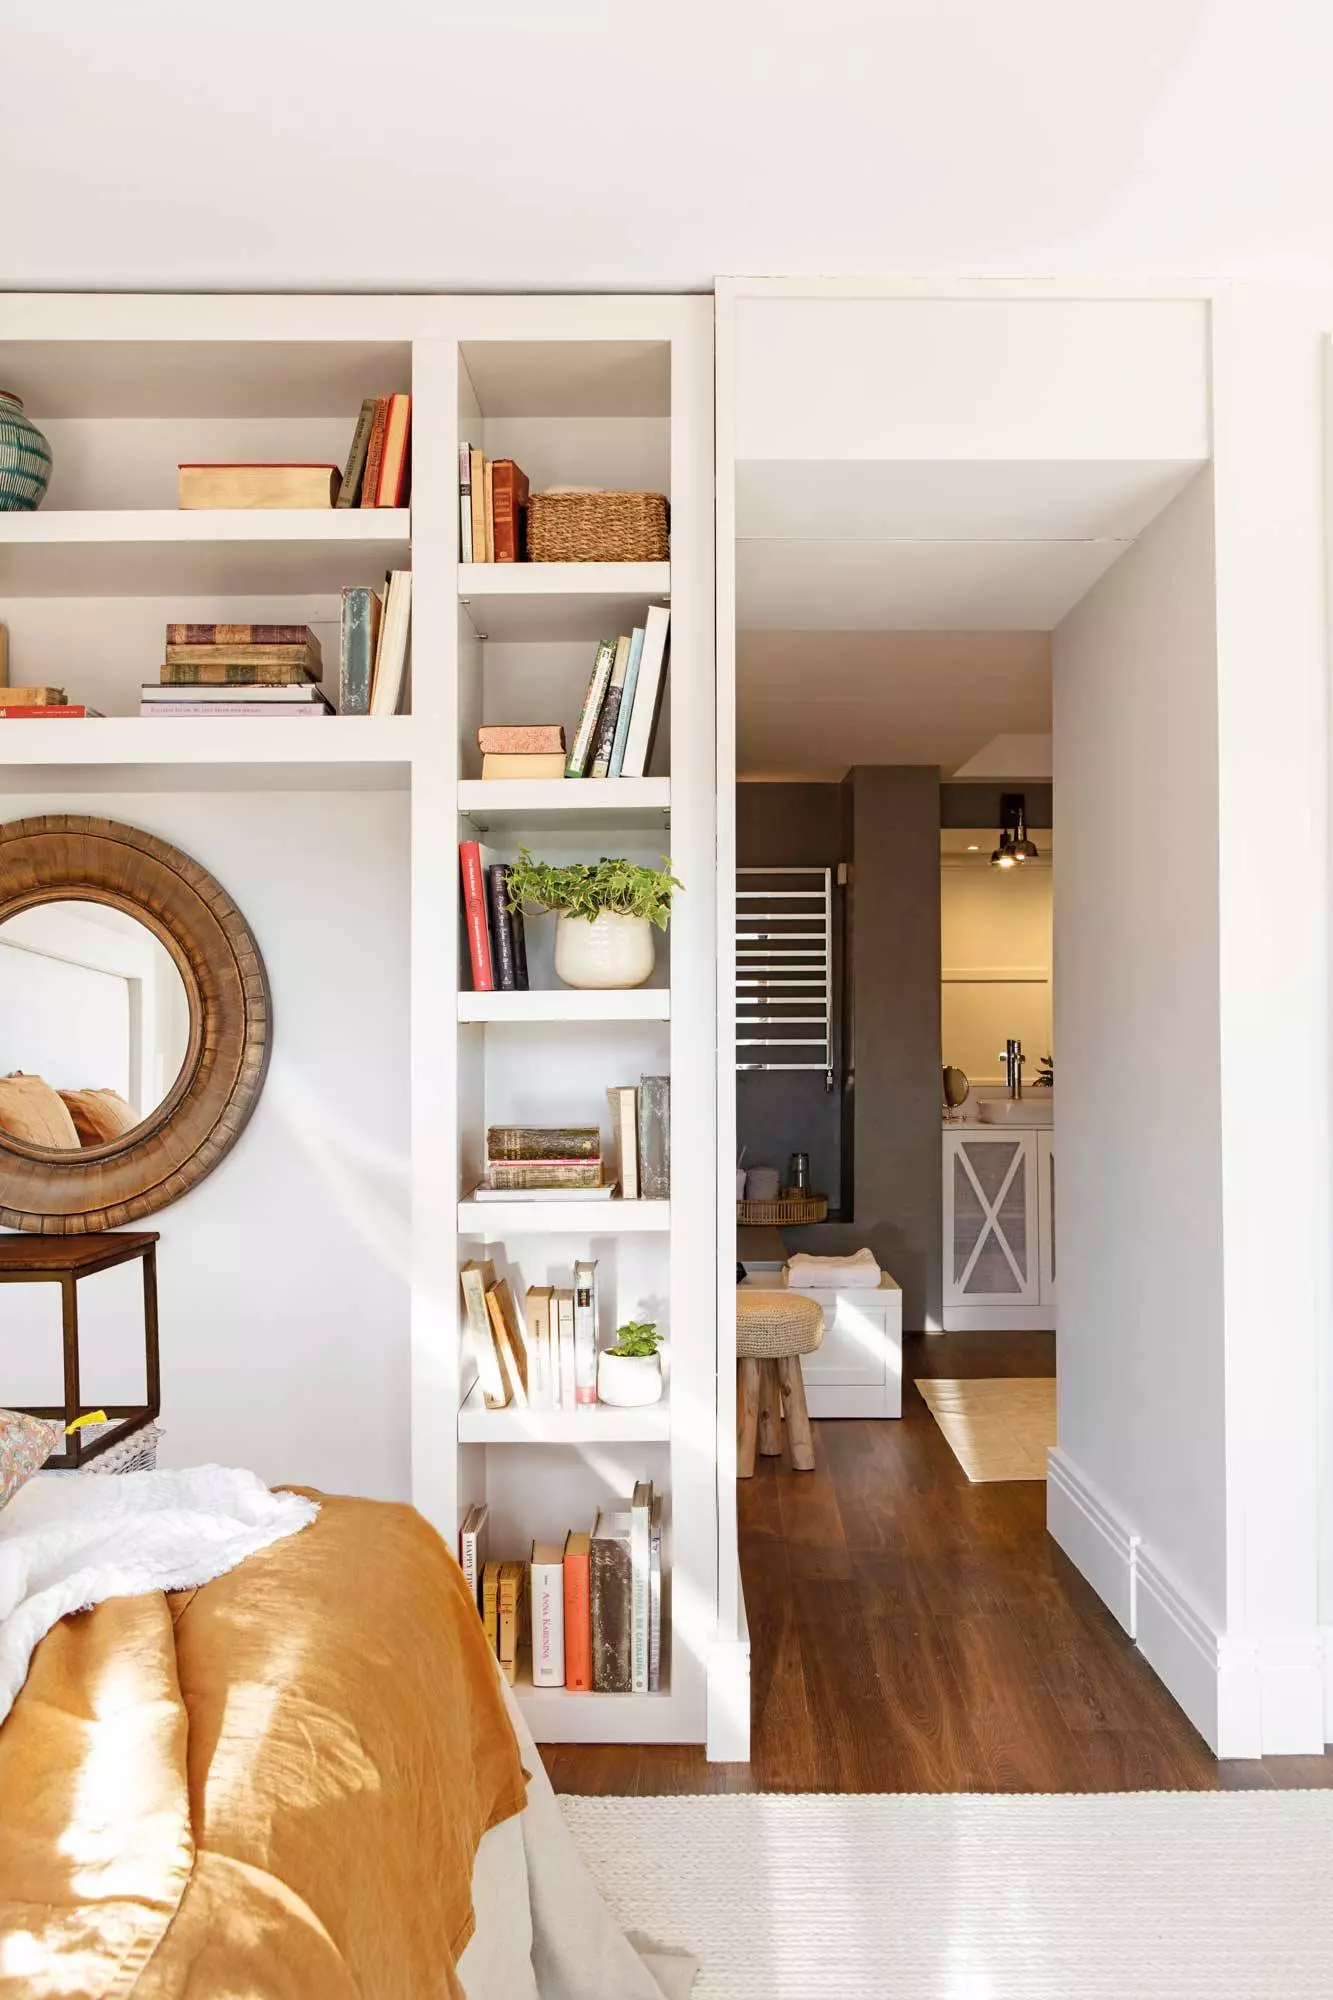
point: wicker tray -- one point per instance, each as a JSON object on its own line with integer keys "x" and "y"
{"x": 597, "y": 527}
{"x": 792, "y": 1209}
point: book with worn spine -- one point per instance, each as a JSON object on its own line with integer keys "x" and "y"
{"x": 592, "y": 709}
{"x": 521, "y": 739}
{"x": 509, "y": 510}
{"x": 240, "y": 635}
{"x": 231, "y": 672}
{"x": 655, "y": 1138}
{"x": 349, "y": 493}
{"x": 517, "y": 1175}
{"x": 32, "y": 697}
{"x": 547, "y": 1572}
{"x": 543, "y": 1142}
{"x": 370, "y": 477}
{"x": 609, "y": 1599}
{"x": 477, "y": 1279}
{"x": 641, "y": 1509}
{"x": 357, "y": 651}
{"x": 600, "y": 765}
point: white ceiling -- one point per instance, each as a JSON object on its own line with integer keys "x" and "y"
{"x": 426, "y": 144}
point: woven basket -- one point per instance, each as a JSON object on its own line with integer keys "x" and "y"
{"x": 792, "y": 1210}
{"x": 598, "y": 527}
{"x": 135, "y": 1453}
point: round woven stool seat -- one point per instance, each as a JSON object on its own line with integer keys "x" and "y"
{"x": 770, "y": 1325}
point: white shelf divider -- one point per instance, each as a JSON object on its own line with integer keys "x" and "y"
{"x": 597, "y": 1423}
{"x": 644, "y": 1003}
{"x": 551, "y": 805}
{"x": 548, "y": 601}
{"x": 242, "y": 753}
{"x": 494, "y": 1219}
{"x": 154, "y": 551}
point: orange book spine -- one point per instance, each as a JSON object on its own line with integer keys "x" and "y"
{"x": 578, "y": 1615}
{"x": 394, "y": 457}
{"x": 370, "y": 478}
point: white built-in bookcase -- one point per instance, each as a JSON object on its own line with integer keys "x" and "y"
{"x": 615, "y": 392}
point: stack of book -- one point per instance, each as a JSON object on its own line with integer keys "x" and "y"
{"x": 492, "y": 508}
{"x": 497, "y": 947}
{"x": 641, "y": 1127}
{"x": 377, "y": 472}
{"x": 373, "y": 652}
{"x": 254, "y": 670}
{"x": 592, "y": 1603}
{"x": 618, "y": 723}
{"x": 547, "y": 1361}
{"x": 533, "y": 1162}
{"x": 23, "y": 703}
{"x": 522, "y": 750}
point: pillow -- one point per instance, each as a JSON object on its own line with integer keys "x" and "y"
{"x": 25, "y": 1445}
{"x": 32, "y": 1112}
{"x": 98, "y": 1115}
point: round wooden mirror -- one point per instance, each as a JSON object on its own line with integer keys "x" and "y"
{"x": 134, "y": 1024}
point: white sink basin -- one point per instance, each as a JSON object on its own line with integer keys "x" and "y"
{"x": 1038, "y": 1109}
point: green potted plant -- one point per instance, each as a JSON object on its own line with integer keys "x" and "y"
{"x": 629, "y": 1375}
{"x": 605, "y": 912}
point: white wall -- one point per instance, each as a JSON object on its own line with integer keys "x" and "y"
{"x": 995, "y": 955}
{"x": 1141, "y": 1379}
{"x": 283, "y": 1275}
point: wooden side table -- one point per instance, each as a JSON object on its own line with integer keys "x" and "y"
{"x": 63, "y": 1260}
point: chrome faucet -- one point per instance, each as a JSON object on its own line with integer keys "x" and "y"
{"x": 1011, "y": 1055}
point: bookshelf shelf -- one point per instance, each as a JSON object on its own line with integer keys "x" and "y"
{"x": 566, "y": 1004}
{"x": 552, "y": 601}
{"x": 599, "y": 1424}
{"x": 557, "y": 805}
{"x": 562, "y": 1715}
{"x": 158, "y": 551}
{"x": 496, "y": 1219}
{"x": 167, "y": 753}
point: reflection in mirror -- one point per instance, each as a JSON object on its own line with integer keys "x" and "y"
{"x": 94, "y": 1024}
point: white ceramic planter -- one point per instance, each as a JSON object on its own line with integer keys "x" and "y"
{"x": 629, "y": 1381}
{"x": 611, "y": 951}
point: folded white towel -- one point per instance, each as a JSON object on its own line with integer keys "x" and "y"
{"x": 834, "y": 1273}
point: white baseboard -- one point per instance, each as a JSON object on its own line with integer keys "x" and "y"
{"x": 728, "y": 1739}
{"x": 1096, "y": 1542}
{"x": 1269, "y": 1695}
{"x": 998, "y": 1319}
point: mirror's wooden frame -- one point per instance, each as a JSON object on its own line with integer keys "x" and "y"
{"x": 68, "y": 858}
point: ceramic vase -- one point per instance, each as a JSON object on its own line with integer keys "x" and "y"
{"x": 629, "y": 1381}
{"x": 611, "y": 951}
{"x": 25, "y": 459}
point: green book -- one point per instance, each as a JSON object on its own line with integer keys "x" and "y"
{"x": 581, "y": 753}
{"x": 358, "y": 652}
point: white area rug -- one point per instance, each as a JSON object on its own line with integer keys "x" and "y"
{"x": 1136, "y": 1896}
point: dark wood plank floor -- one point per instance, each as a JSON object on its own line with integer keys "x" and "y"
{"x": 912, "y": 1632}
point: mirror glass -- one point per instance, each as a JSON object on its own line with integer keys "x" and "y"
{"x": 94, "y": 1024}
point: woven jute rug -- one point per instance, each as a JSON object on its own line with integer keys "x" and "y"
{"x": 997, "y": 1428}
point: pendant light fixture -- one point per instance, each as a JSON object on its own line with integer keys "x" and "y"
{"x": 1014, "y": 846}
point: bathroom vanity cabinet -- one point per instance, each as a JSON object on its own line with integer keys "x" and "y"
{"x": 999, "y": 1228}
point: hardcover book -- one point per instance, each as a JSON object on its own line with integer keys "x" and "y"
{"x": 284, "y": 694}
{"x": 647, "y": 694}
{"x": 386, "y": 687}
{"x": 504, "y": 965}
{"x": 221, "y": 653}
{"x": 349, "y": 493}
{"x": 266, "y": 711}
{"x": 624, "y": 1100}
{"x": 617, "y": 769}
{"x": 639, "y": 1555}
{"x": 478, "y": 504}
{"x": 564, "y": 1332}
{"x": 592, "y": 709}
{"x": 513, "y": 1576}
{"x": 473, "y": 860}
{"x": 472, "y": 1540}
{"x": 517, "y": 1175}
{"x": 655, "y": 1138}
{"x": 241, "y": 635}
{"x": 521, "y": 739}
{"x": 578, "y": 1613}
{"x": 465, "y": 502}
{"x": 392, "y": 486}
{"x": 537, "y": 1335}
{"x": 370, "y": 477}
{"x": 609, "y": 1596}
{"x": 600, "y": 765}
{"x": 477, "y": 1279}
{"x": 585, "y": 1333}
{"x": 509, "y": 510}
{"x": 357, "y": 650}
{"x": 32, "y": 697}
{"x": 259, "y": 485}
{"x": 543, "y": 1142}
{"x": 509, "y": 1341}
{"x": 526, "y": 764}
{"x": 239, "y": 673}
{"x": 548, "y": 1614}
{"x": 490, "y": 1604}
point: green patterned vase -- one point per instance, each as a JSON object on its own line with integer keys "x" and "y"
{"x": 25, "y": 458}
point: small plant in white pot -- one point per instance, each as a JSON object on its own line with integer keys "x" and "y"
{"x": 605, "y": 912}
{"x": 629, "y": 1375}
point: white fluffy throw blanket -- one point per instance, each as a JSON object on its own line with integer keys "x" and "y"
{"x": 67, "y": 1543}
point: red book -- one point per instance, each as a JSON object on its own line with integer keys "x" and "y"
{"x": 67, "y": 709}
{"x": 578, "y": 1613}
{"x": 391, "y": 490}
{"x": 509, "y": 508}
{"x": 474, "y": 909}
{"x": 370, "y": 479}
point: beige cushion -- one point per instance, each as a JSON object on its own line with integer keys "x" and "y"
{"x": 771, "y": 1324}
{"x": 98, "y": 1115}
{"x": 25, "y": 1445}
{"x": 33, "y": 1113}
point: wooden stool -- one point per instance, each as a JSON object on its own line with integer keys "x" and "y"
{"x": 773, "y": 1329}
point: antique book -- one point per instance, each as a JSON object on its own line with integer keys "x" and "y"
{"x": 585, "y": 1333}
{"x": 392, "y": 485}
{"x": 259, "y": 485}
{"x": 647, "y": 694}
{"x": 578, "y": 1613}
{"x": 616, "y": 769}
{"x": 356, "y": 651}
{"x": 543, "y": 1142}
{"x": 641, "y": 1509}
{"x": 32, "y": 697}
{"x": 592, "y": 707}
{"x": 600, "y": 764}
{"x": 564, "y": 1340}
{"x": 349, "y": 493}
{"x": 487, "y": 510}
{"x": 225, "y": 672}
{"x": 655, "y": 1138}
{"x": 517, "y": 1175}
{"x": 525, "y": 764}
{"x": 235, "y": 652}
{"x": 477, "y": 1279}
{"x": 655, "y": 1597}
{"x": 513, "y": 1576}
{"x": 509, "y": 510}
{"x": 465, "y": 502}
{"x": 386, "y": 687}
{"x": 490, "y": 1604}
{"x": 478, "y": 502}
{"x": 241, "y": 635}
{"x": 474, "y": 859}
{"x": 547, "y": 1573}
{"x": 537, "y": 1338}
{"x": 609, "y": 1601}
{"x": 472, "y": 1539}
{"x": 509, "y": 1340}
{"x": 521, "y": 739}
{"x": 624, "y": 1100}
{"x": 370, "y": 477}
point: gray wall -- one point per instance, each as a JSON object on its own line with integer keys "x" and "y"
{"x": 887, "y": 821}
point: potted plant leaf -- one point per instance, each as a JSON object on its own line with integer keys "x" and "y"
{"x": 629, "y": 1375}
{"x": 605, "y": 913}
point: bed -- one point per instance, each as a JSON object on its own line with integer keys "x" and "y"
{"x": 303, "y": 1780}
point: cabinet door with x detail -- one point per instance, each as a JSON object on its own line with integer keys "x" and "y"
{"x": 990, "y": 1219}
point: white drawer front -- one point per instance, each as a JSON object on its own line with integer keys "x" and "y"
{"x": 855, "y": 1347}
